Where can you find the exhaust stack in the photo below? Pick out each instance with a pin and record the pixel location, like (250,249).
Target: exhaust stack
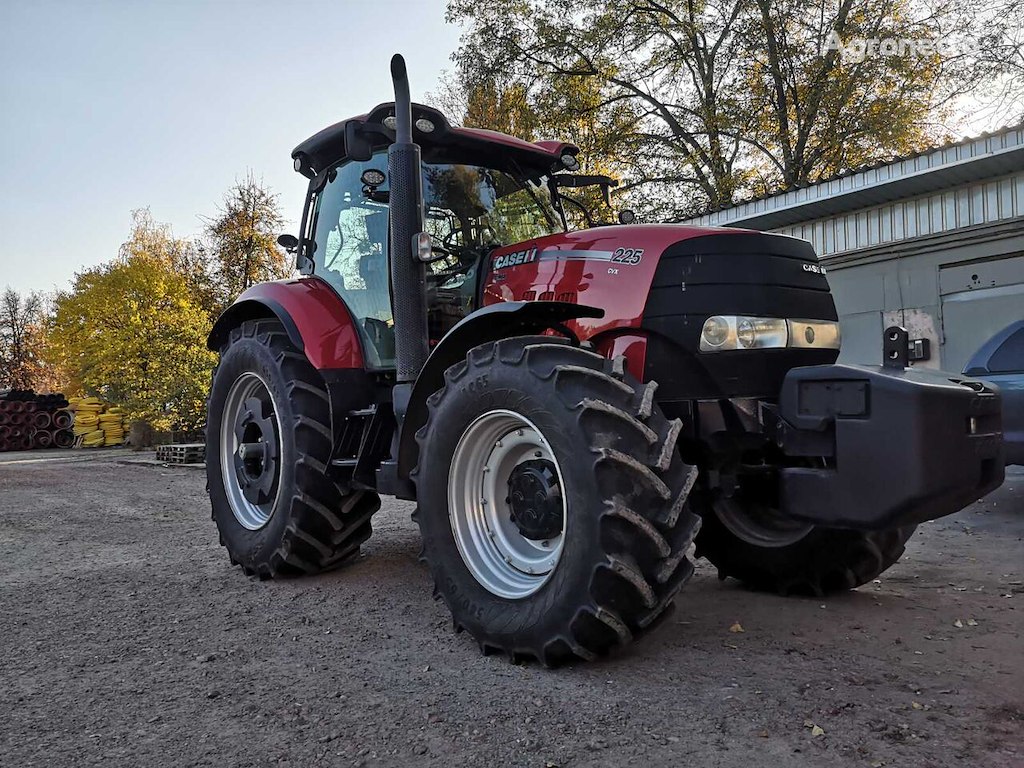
(408,274)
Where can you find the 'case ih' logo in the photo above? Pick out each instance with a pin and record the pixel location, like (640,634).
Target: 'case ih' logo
(515,259)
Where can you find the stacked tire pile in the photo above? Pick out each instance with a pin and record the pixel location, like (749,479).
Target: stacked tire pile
(97,424)
(29,420)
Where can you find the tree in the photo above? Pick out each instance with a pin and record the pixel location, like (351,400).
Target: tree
(133,332)
(23,342)
(244,238)
(188,257)
(729,97)
(816,110)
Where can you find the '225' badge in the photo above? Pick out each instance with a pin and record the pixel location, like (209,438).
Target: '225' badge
(627,255)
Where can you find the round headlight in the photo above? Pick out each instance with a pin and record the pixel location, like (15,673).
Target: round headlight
(390,122)
(373,177)
(746,334)
(425,126)
(716,331)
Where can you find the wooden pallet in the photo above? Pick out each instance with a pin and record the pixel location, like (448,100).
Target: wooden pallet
(182,453)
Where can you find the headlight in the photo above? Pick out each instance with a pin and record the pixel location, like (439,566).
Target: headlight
(731,332)
(717,331)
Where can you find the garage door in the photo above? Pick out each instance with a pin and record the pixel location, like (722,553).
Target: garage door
(978,300)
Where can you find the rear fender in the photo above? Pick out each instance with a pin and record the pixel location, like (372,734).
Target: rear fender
(316,319)
(491,323)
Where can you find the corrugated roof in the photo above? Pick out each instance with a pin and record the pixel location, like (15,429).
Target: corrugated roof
(986,139)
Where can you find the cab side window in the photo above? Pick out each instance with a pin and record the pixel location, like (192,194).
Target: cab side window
(351,232)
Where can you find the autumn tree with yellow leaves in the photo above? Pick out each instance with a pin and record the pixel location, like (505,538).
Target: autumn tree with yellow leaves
(133,331)
(243,238)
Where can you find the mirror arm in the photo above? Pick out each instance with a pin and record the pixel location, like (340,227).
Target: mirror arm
(583,209)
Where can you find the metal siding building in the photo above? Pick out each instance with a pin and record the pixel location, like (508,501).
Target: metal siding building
(933,241)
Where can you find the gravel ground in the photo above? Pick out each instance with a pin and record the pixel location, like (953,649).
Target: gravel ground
(127,639)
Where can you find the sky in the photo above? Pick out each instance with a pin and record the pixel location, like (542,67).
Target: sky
(111,105)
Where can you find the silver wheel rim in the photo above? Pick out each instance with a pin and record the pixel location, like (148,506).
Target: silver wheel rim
(760,525)
(248,391)
(499,556)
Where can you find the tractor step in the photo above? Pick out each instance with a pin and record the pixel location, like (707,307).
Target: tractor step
(364,442)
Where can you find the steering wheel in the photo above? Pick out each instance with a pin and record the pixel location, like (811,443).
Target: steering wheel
(446,241)
(443,249)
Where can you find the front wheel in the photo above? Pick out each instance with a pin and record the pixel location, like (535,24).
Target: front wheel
(551,501)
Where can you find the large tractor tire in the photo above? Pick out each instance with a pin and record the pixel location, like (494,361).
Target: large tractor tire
(747,541)
(268,445)
(551,501)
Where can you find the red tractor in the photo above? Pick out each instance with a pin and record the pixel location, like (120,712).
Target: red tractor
(571,411)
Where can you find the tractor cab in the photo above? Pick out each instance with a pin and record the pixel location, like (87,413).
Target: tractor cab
(480,191)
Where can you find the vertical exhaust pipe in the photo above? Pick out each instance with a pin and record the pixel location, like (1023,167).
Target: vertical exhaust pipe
(408,274)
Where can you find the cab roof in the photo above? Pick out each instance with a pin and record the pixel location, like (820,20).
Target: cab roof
(328,146)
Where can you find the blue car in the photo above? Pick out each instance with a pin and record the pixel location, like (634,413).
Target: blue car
(1001,362)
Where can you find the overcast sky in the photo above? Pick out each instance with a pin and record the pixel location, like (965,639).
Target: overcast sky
(110,106)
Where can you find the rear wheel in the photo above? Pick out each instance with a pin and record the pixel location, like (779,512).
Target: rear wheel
(750,541)
(551,501)
(268,445)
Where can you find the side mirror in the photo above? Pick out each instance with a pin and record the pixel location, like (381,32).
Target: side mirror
(289,242)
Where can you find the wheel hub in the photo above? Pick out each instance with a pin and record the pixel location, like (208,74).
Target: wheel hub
(535,499)
(256,456)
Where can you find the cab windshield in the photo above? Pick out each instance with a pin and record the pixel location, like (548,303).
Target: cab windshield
(469,210)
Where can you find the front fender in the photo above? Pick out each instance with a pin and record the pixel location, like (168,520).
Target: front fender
(491,323)
(316,319)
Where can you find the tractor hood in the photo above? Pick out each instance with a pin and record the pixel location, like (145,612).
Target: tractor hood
(652,269)
(663,282)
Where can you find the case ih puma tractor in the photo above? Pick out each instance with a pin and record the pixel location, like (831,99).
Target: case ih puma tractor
(570,411)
